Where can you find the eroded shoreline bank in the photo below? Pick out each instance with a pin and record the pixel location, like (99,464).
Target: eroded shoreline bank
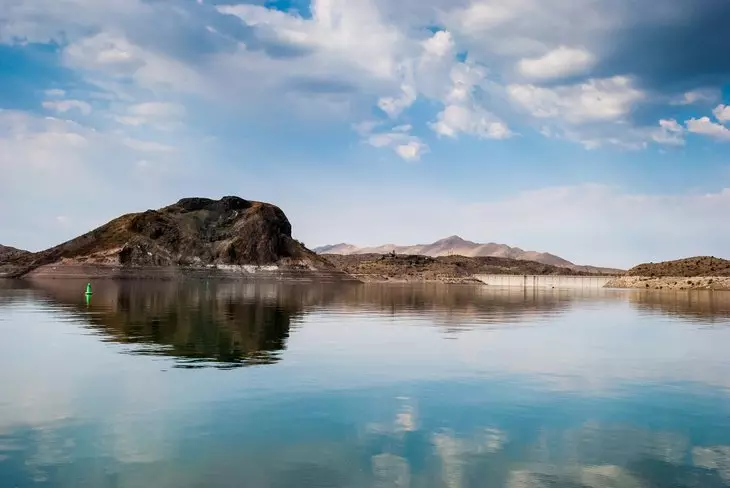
(671,282)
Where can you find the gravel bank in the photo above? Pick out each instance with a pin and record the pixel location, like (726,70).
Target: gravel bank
(671,283)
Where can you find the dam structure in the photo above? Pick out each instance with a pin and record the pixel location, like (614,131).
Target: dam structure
(544,281)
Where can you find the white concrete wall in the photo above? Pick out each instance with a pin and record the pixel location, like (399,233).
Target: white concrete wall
(544,281)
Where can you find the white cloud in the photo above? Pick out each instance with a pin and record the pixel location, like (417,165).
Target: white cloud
(722,113)
(393,106)
(46,21)
(455,119)
(697,96)
(596,100)
(348,57)
(462,114)
(160,114)
(482,16)
(560,62)
(405,145)
(63,106)
(440,45)
(704,126)
(110,60)
(670,132)
(346,33)
(411,151)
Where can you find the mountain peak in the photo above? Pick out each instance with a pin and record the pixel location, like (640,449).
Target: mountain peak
(453,240)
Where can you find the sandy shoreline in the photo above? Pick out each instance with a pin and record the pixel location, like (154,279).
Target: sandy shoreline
(671,283)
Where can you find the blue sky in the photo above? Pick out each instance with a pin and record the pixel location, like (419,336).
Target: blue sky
(598,131)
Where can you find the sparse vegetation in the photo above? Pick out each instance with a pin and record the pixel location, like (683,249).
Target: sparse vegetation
(684,268)
(402,267)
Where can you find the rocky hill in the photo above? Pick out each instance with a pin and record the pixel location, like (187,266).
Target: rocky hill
(696,273)
(688,267)
(7,253)
(194,233)
(455,245)
(449,269)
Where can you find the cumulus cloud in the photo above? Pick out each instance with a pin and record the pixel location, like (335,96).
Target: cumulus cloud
(455,119)
(560,62)
(408,147)
(481,16)
(411,150)
(704,126)
(462,113)
(722,113)
(670,132)
(348,56)
(595,100)
(348,33)
(440,45)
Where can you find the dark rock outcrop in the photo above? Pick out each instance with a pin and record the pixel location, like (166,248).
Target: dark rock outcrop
(8,253)
(192,233)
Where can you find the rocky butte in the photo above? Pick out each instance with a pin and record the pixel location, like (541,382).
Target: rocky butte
(195,236)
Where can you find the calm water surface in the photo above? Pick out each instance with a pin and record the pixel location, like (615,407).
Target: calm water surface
(239,385)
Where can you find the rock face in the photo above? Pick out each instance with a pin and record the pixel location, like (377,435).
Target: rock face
(456,246)
(192,233)
(8,253)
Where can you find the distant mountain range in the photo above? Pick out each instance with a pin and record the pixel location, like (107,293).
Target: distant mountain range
(455,245)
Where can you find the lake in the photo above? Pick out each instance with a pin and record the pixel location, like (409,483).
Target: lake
(151,384)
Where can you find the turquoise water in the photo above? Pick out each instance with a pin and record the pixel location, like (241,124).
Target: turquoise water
(239,385)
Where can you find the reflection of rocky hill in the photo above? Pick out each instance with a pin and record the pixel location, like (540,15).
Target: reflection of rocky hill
(235,323)
(222,323)
(689,305)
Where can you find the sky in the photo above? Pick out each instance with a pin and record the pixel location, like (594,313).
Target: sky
(597,130)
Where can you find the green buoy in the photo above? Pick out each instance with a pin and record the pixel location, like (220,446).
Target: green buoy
(88,288)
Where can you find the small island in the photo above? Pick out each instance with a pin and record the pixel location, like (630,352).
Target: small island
(695,273)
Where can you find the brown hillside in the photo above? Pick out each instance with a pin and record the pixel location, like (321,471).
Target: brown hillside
(7,253)
(191,232)
(696,266)
(374,267)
